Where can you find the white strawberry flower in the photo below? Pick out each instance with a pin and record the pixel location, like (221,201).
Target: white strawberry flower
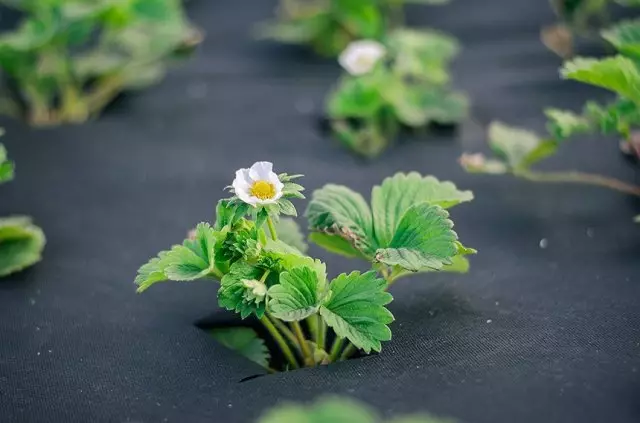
(258,185)
(360,57)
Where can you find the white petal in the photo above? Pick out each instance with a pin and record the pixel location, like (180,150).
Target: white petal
(249,199)
(240,184)
(273,179)
(360,57)
(260,171)
(242,179)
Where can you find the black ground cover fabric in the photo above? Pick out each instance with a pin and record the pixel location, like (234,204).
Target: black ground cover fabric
(529,335)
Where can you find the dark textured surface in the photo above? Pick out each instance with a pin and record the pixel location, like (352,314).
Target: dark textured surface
(529,335)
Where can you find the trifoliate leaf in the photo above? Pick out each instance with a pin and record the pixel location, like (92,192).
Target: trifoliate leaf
(355,310)
(244,341)
(339,211)
(328,410)
(193,260)
(618,73)
(422,239)
(6,167)
(235,295)
(625,36)
(289,232)
(298,295)
(21,244)
(397,193)
(282,257)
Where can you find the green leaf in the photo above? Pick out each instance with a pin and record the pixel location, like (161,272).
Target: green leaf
(6,167)
(183,264)
(334,244)
(418,104)
(298,295)
(397,193)
(617,73)
(362,19)
(21,244)
(195,259)
(564,124)
(355,310)
(356,97)
(337,210)
(233,293)
(289,232)
(637,219)
(625,36)
(423,239)
(510,143)
(327,410)
(427,44)
(244,341)
(287,208)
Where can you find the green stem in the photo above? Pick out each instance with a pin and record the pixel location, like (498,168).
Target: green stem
(335,349)
(272,228)
(304,347)
(348,352)
(264,275)
(105,91)
(579,178)
(312,324)
(280,341)
(287,333)
(321,332)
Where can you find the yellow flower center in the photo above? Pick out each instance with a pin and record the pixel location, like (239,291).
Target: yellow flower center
(263,190)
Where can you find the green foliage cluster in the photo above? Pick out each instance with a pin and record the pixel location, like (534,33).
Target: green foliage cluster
(265,274)
(581,17)
(68,59)
(409,87)
(21,242)
(338,410)
(328,26)
(517,150)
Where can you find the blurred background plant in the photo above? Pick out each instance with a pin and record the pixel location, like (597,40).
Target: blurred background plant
(328,26)
(409,87)
(578,18)
(21,242)
(517,150)
(68,59)
(338,410)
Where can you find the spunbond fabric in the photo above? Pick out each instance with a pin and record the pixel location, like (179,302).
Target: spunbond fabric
(530,334)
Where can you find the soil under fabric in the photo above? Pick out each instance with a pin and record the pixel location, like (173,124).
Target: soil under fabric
(531,334)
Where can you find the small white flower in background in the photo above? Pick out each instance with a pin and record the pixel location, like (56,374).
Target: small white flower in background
(360,57)
(256,290)
(258,184)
